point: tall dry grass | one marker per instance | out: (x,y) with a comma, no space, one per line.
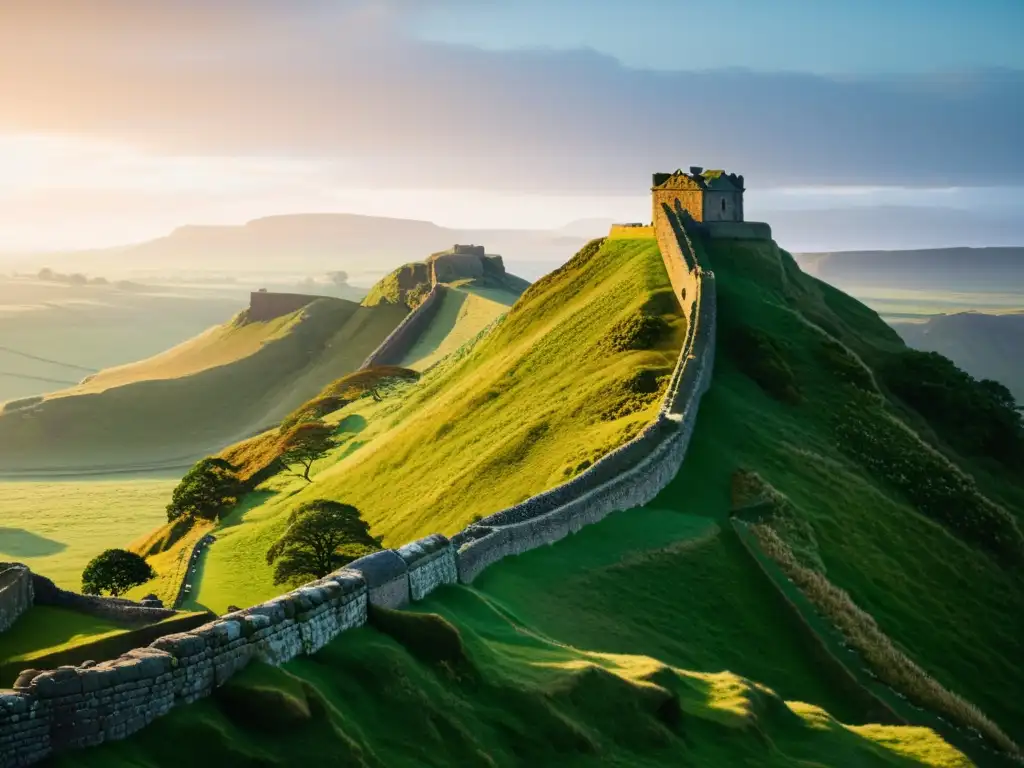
(890,664)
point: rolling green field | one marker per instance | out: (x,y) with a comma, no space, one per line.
(533,402)
(464,312)
(650,638)
(45,629)
(687,594)
(56,528)
(501,675)
(194,400)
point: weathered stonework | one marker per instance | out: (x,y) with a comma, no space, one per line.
(386,576)
(16,593)
(116,608)
(431,563)
(402,338)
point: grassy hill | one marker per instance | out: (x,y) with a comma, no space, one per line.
(529,404)
(653,637)
(196,398)
(502,675)
(464,312)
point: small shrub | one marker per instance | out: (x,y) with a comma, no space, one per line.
(637,392)
(937,488)
(638,331)
(837,360)
(979,418)
(759,357)
(314,410)
(430,638)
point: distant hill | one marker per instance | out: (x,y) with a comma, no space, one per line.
(365,246)
(889,227)
(941,269)
(194,399)
(986,346)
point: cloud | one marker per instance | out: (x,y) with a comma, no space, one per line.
(345,81)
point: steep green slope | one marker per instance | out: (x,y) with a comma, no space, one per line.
(465,311)
(199,397)
(948,601)
(466,681)
(533,402)
(611,647)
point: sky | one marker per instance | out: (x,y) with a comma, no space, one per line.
(122,119)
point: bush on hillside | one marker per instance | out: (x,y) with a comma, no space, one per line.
(206,492)
(979,418)
(638,331)
(314,410)
(759,357)
(937,488)
(837,360)
(305,444)
(321,537)
(115,571)
(377,381)
(637,392)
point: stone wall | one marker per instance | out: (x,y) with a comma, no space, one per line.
(265,306)
(77,706)
(114,608)
(16,593)
(402,339)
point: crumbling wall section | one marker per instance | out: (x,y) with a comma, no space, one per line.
(16,593)
(402,339)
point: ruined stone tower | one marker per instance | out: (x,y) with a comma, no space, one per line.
(706,195)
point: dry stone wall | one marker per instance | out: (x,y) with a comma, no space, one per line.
(16,593)
(115,608)
(77,706)
(402,338)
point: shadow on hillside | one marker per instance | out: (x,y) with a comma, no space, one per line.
(17,542)
(352,424)
(250,501)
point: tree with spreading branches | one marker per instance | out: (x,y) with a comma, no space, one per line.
(375,381)
(115,571)
(306,443)
(321,537)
